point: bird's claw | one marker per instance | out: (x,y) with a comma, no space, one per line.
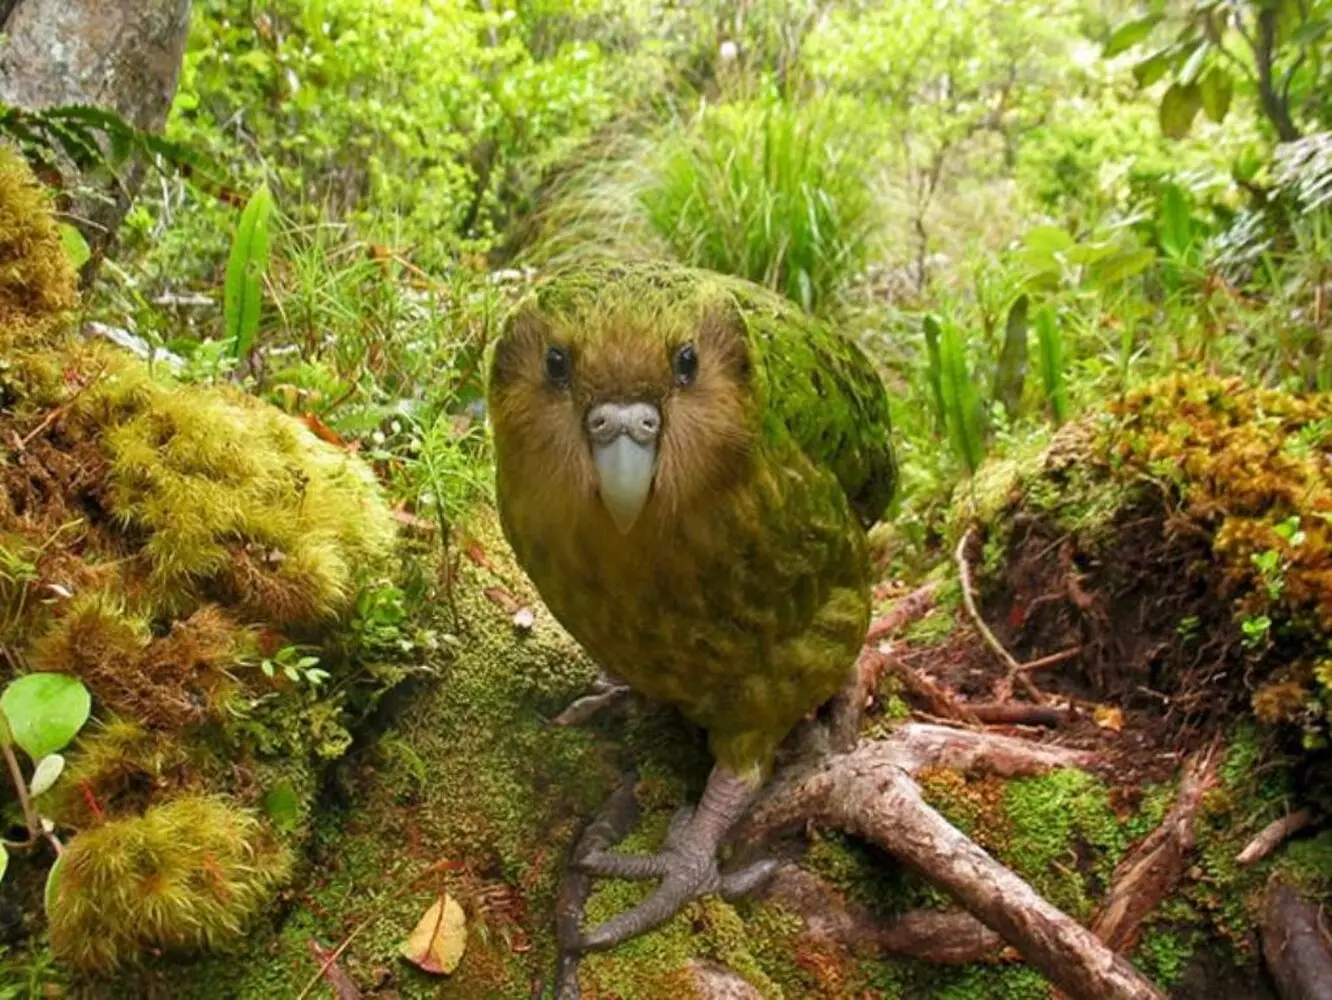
(687,871)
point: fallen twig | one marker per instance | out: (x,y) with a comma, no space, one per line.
(332,973)
(969,600)
(904,611)
(1054,659)
(870,793)
(1273,835)
(1152,870)
(1010,713)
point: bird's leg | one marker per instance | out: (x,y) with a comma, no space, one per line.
(604,692)
(686,864)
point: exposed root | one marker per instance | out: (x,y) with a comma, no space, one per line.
(904,611)
(1018,714)
(924,691)
(870,793)
(1015,673)
(613,823)
(1273,835)
(1296,946)
(943,937)
(1154,869)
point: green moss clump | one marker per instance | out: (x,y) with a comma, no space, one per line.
(37,283)
(185,875)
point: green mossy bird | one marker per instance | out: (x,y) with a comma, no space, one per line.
(686,465)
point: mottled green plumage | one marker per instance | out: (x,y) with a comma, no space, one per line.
(742,594)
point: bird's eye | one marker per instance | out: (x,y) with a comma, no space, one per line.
(685,364)
(558,366)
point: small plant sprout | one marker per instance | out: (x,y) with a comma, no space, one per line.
(295,664)
(40,713)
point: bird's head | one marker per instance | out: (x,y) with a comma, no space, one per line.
(633,409)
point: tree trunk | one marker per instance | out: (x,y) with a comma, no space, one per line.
(121,55)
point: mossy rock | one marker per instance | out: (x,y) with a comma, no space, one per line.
(172,546)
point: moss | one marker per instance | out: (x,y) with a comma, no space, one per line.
(37,283)
(1163,954)
(188,874)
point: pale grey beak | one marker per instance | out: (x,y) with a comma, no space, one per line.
(624,450)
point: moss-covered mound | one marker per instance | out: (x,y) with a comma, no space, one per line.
(193,556)
(1184,542)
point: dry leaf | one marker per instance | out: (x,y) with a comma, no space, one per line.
(322,431)
(440,938)
(507,602)
(1109,717)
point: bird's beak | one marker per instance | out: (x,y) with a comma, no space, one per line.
(624,451)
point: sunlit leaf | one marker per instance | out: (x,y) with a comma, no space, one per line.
(1218,87)
(242,297)
(76,247)
(1175,225)
(438,942)
(282,807)
(1179,106)
(45,711)
(4,862)
(1130,34)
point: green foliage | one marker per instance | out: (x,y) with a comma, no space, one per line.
(962,411)
(43,712)
(242,295)
(1050,346)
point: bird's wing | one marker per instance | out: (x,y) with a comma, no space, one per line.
(825,392)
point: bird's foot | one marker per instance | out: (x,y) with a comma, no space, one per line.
(604,693)
(686,864)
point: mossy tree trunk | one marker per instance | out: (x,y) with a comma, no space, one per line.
(122,55)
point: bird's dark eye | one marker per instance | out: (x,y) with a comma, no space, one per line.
(558,366)
(685,364)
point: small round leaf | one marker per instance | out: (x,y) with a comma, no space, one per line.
(45,711)
(48,771)
(52,890)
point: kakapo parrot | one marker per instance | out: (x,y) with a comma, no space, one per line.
(686,466)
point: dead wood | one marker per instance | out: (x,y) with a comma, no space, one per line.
(332,973)
(870,793)
(904,611)
(1273,836)
(1296,945)
(1016,713)
(1152,871)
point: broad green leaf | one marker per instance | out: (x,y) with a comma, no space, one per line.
(1179,106)
(282,807)
(52,889)
(76,247)
(45,711)
(1175,225)
(438,942)
(1048,239)
(1129,34)
(1218,87)
(1120,267)
(242,296)
(1051,349)
(4,862)
(1011,374)
(47,772)
(1147,71)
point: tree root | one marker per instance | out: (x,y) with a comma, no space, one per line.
(1296,945)
(942,937)
(870,793)
(339,982)
(904,611)
(1153,870)
(1015,673)
(1273,835)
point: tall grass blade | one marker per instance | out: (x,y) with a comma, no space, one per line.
(242,296)
(961,400)
(1051,349)
(934,372)
(1011,376)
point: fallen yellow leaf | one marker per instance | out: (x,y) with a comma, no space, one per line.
(1109,717)
(438,942)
